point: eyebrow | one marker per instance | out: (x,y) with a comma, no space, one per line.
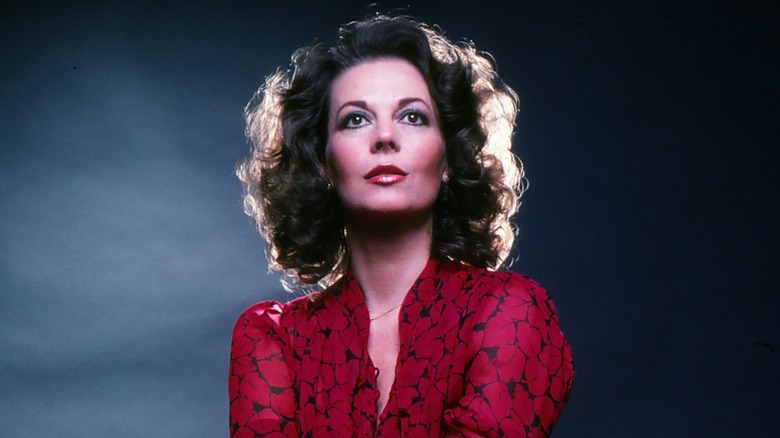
(401,103)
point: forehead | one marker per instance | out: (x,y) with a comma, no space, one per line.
(379,79)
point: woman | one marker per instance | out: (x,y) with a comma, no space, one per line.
(381,172)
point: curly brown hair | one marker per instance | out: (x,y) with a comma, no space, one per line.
(286,189)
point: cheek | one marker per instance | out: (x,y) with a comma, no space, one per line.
(338,163)
(436,158)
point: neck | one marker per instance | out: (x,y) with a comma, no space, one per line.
(387,258)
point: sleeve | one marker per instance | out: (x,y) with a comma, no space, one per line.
(521,373)
(263,399)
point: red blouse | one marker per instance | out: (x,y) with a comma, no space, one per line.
(481,355)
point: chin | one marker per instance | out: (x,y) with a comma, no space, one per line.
(393,213)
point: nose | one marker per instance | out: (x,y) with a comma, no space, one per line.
(386,138)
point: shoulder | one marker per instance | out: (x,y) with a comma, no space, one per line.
(485,292)
(483,281)
(512,307)
(490,290)
(270,317)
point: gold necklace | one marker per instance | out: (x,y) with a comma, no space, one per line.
(385,312)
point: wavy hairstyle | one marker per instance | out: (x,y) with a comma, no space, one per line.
(286,189)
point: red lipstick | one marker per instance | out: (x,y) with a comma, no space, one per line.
(385,174)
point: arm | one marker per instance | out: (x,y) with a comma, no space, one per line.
(263,401)
(521,372)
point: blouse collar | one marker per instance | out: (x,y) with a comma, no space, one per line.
(421,292)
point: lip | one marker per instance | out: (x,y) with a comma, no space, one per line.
(385,174)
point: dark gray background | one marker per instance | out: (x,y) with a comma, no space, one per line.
(649,132)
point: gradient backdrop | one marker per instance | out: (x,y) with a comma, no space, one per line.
(649,131)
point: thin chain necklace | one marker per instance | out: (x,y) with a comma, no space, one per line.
(385,312)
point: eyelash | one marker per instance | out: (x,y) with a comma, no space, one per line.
(347,121)
(421,116)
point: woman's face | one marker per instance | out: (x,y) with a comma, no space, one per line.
(385,152)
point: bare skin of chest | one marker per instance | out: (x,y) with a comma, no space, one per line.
(383,346)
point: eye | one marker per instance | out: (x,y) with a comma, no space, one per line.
(415,117)
(353,120)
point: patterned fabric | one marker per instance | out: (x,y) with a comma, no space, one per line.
(481,355)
